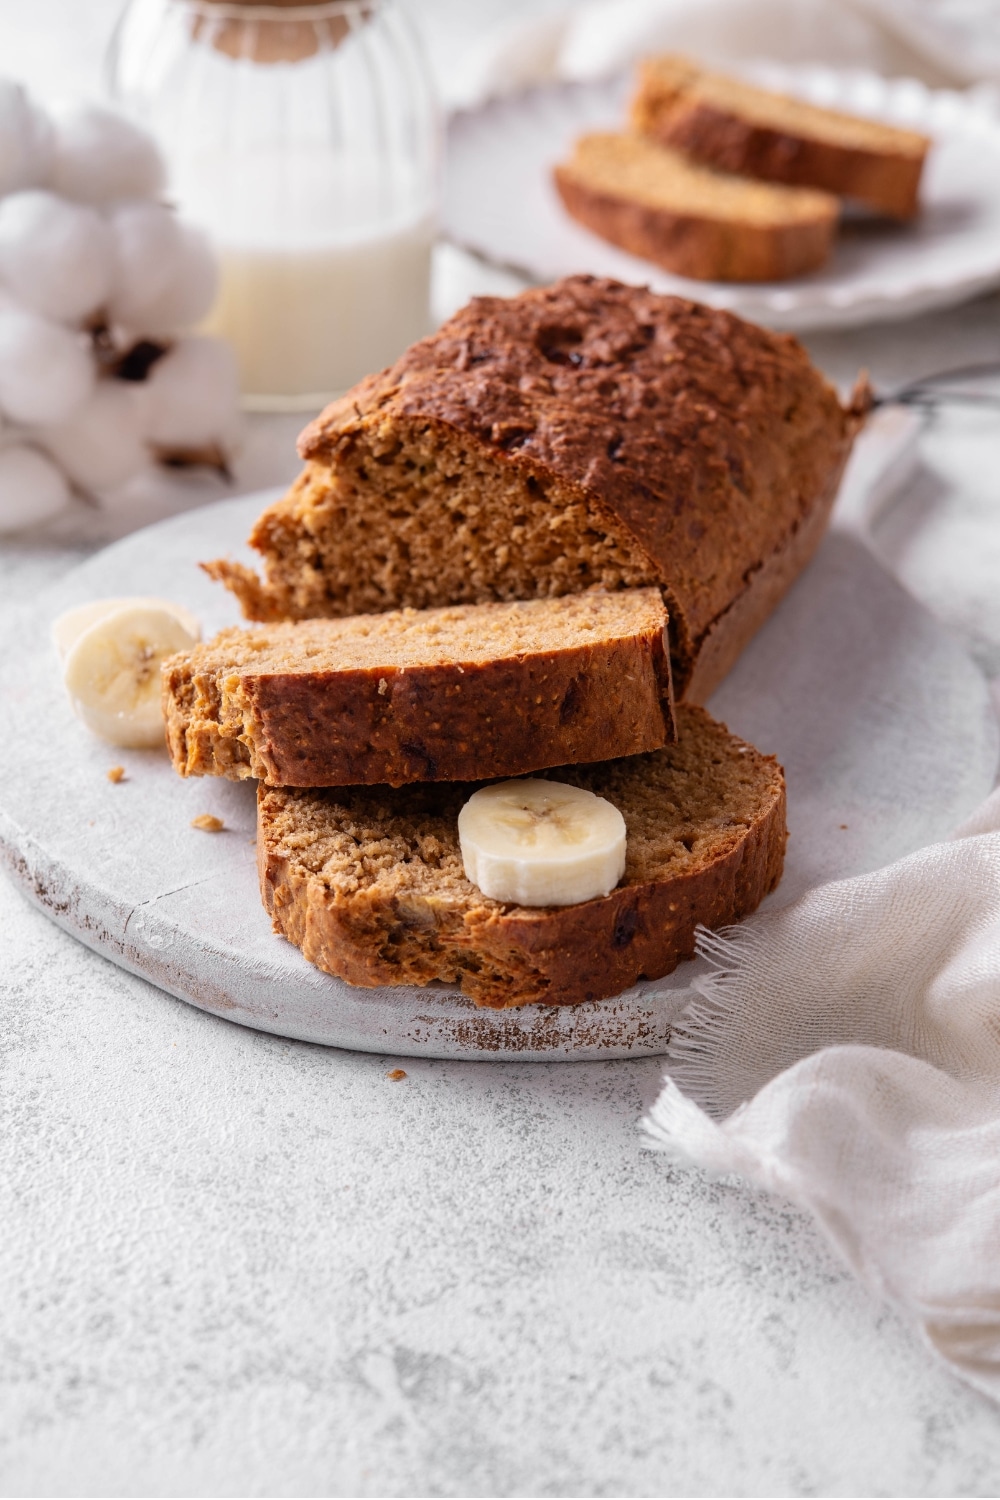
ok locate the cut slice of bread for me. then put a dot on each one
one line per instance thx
(370, 883)
(691, 219)
(480, 690)
(586, 435)
(736, 127)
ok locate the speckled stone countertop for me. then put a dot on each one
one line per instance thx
(236, 1265)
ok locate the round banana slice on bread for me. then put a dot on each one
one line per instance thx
(541, 843)
(112, 658)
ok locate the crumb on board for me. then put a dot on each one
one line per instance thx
(396, 1075)
(207, 823)
(116, 774)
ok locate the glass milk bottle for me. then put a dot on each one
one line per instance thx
(305, 139)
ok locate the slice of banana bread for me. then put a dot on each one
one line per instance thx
(739, 128)
(579, 436)
(475, 690)
(692, 219)
(370, 883)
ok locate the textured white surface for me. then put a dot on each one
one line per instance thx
(500, 202)
(238, 1265)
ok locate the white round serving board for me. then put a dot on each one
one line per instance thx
(501, 205)
(882, 723)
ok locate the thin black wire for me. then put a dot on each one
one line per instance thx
(931, 391)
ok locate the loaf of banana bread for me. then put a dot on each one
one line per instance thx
(370, 883)
(585, 435)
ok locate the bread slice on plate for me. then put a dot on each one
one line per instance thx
(370, 883)
(692, 219)
(586, 435)
(736, 127)
(475, 690)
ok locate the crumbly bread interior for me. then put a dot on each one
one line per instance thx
(466, 634)
(438, 521)
(390, 859)
(669, 79)
(629, 166)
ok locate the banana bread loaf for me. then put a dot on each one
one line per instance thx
(471, 691)
(738, 128)
(370, 883)
(692, 219)
(586, 435)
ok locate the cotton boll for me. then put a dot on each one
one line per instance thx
(149, 256)
(193, 395)
(188, 295)
(103, 442)
(45, 370)
(99, 155)
(26, 139)
(31, 487)
(55, 256)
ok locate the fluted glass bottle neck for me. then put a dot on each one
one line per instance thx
(305, 139)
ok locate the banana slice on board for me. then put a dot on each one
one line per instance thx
(541, 843)
(112, 669)
(70, 626)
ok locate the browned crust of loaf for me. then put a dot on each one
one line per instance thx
(885, 180)
(688, 244)
(703, 440)
(722, 644)
(516, 956)
(453, 722)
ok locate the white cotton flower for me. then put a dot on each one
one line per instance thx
(26, 139)
(189, 293)
(149, 256)
(193, 395)
(46, 370)
(56, 257)
(31, 487)
(99, 156)
(104, 442)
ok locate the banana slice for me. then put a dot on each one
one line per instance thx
(541, 843)
(70, 626)
(112, 671)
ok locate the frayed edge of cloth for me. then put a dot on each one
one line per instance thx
(691, 1054)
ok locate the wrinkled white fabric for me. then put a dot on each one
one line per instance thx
(606, 35)
(943, 42)
(845, 1054)
(962, 36)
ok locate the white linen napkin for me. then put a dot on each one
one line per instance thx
(844, 1053)
(943, 42)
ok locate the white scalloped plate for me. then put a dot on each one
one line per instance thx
(500, 203)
